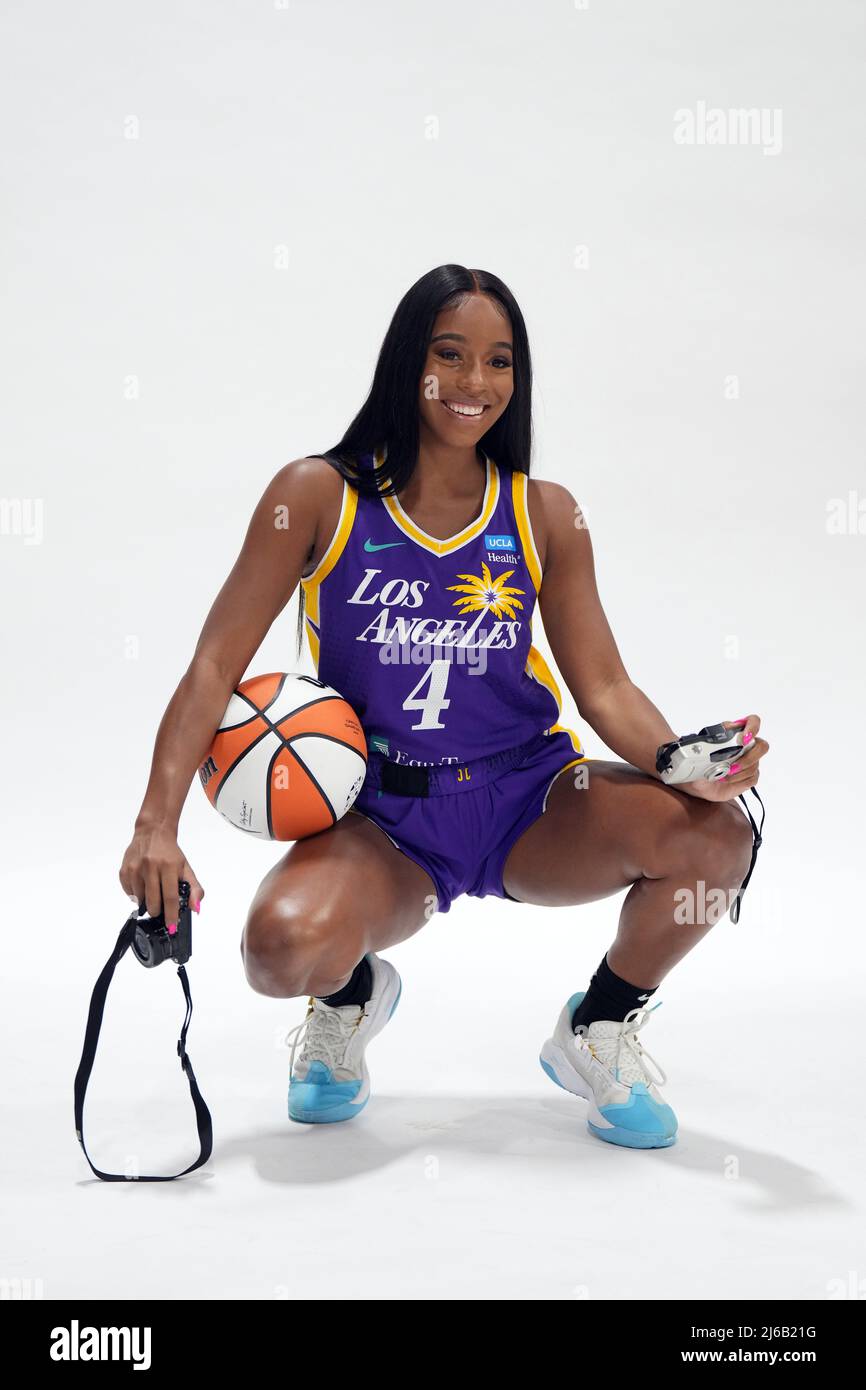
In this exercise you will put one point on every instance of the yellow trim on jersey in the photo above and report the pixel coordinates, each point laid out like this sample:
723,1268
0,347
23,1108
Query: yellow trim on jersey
451,543
314,647
538,668
575,742
312,582
520,498
535,663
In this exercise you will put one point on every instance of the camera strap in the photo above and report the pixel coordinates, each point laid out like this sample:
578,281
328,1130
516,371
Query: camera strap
91,1038
757,841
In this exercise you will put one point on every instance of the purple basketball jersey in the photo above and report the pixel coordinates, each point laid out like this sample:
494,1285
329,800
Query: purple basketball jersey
429,640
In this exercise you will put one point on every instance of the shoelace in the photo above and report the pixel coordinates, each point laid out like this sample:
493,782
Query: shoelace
325,1032
633,1068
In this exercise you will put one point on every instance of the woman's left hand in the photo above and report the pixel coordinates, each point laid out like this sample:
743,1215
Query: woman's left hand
744,771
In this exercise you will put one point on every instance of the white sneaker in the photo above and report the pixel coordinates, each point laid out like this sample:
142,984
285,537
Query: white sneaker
331,1081
606,1065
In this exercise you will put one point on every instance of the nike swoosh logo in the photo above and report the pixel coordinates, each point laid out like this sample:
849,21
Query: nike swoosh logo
369,545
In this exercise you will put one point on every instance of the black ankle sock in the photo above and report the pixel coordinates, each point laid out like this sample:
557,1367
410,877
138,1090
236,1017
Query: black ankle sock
609,997
356,991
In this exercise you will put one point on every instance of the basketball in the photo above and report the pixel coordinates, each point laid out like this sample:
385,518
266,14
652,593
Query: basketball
288,759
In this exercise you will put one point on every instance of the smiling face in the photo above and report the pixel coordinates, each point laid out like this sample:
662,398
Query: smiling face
468,376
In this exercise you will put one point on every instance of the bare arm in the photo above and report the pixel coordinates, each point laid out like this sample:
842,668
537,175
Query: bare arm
279,539
580,637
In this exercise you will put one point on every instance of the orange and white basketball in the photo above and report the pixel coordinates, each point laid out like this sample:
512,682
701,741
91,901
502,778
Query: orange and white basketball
288,759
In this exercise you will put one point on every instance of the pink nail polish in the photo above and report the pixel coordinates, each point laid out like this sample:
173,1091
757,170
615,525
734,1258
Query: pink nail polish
747,737
196,907
172,928
733,769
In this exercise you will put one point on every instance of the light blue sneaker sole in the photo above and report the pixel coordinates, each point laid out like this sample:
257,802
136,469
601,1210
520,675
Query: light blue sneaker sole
320,1102
655,1126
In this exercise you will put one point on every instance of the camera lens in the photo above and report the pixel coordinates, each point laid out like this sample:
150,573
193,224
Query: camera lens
141,945
151,945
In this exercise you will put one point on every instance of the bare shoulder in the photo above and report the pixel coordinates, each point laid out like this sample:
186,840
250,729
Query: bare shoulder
311,475
553,514
315,485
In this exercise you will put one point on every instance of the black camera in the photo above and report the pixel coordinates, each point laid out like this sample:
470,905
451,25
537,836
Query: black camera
151,941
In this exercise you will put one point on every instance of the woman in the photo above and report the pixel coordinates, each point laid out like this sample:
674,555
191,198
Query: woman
421,544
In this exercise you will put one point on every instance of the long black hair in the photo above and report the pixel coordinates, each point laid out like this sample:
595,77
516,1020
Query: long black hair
389,415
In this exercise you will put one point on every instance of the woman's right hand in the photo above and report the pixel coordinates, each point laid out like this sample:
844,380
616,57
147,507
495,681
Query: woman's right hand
152,868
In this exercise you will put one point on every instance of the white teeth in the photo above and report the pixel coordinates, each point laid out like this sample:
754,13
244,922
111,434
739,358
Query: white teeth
464,409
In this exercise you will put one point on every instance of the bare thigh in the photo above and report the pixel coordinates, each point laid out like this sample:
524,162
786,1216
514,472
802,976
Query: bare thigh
332,898
623,825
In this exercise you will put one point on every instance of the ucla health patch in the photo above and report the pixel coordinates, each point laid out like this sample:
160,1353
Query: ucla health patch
500,543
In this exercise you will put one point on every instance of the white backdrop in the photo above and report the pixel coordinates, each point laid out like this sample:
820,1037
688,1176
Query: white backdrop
212,211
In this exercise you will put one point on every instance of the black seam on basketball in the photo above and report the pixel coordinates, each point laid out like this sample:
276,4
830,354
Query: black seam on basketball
284,742
283,680
239,759
273,728
268,815
350,747
244,722
262,709
260,712
311,680
319,788
320,700
331,738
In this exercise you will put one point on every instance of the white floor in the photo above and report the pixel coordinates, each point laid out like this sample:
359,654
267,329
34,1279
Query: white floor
469,1175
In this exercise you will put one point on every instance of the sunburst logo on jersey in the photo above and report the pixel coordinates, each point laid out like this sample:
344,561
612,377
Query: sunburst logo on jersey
484,594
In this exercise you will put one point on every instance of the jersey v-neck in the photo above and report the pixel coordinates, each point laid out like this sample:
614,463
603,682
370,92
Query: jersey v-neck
434,544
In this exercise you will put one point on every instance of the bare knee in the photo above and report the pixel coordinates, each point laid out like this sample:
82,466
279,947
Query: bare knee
288,952
720,846
709,839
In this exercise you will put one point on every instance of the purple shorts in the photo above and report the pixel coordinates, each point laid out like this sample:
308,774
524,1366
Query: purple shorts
463,838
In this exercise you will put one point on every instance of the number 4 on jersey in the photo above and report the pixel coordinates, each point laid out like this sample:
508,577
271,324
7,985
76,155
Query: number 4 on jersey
434,702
